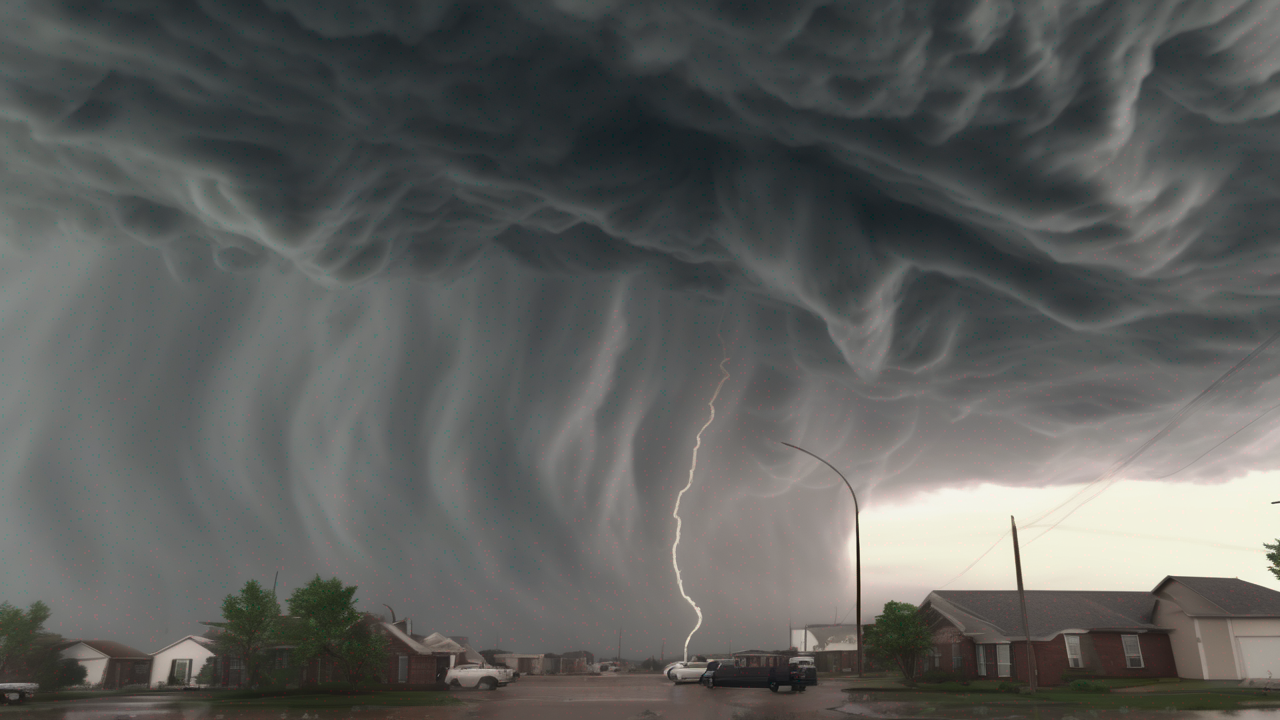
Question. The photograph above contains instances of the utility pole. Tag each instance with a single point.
(619, 658)
(663, 659)
(857, 544)
(1022, 598)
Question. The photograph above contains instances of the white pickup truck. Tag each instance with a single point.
(485, 677)
(17, 692)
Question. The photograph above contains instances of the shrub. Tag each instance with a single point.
(1085, 686)
(1009, 687)
(938, 676)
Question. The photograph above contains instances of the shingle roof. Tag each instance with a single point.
(116, 650)
(1236, 597)
(1049, 612)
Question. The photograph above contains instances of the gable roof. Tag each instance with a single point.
(114, 650)
(996, 615)
(1234, 596)
(198, 639)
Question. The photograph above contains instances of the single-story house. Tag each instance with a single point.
(180, 662)
(417, 659)
(834, 647)
(761, 658)
(1101, 634)
(109, 664)
(576, 662)
(523, 663)
(1220, 628)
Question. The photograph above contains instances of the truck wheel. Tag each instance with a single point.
(488, 684)
(672, 676)
(773, 685)
(711, 682)
(455, 684)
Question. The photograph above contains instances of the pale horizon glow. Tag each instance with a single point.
(1128, 538)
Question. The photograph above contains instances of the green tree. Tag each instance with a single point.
(328, 625)
(251, 622)
(899, 635)
(1274, 557)
(19, 632)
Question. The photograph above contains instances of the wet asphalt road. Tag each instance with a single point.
(624, 697)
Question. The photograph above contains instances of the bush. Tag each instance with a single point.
(1009, 687)
(1085, 686)
(939, 676)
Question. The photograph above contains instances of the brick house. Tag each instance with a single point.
(411, 659)
(978, 634)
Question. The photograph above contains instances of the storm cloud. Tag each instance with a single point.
(426, 295)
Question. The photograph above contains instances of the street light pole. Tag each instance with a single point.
(857, 544)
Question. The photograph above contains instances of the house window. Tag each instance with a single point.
(1132, 651)
(235, 663)
(404, 668)
(980, 654)
(937, 658)
(957, 662)
(1002, 661)
(180, 672)
(1073, 651)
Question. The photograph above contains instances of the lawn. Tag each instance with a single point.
(1167, 694)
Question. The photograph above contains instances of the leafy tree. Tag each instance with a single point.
(899, 635)
(1274, 557)
(251, 623)
(328, 625)
(19, 632)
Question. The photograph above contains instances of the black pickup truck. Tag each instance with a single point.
(798, 678)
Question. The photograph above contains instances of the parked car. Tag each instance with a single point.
(690, 671)
(478, 676)
(17, 692)
(727, 675)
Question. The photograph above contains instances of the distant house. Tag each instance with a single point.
(834, 647)
(1102, 634)
(1220, 628)
(576, 662)
(523, 663)
(181, 661)
(109, 664)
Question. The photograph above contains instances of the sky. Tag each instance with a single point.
(433, 297)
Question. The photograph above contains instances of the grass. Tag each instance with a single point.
(1171, 694)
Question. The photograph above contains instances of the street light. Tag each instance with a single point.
(857, 544)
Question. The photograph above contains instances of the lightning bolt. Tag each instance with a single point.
(675, 560)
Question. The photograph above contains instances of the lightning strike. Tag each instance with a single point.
(675, 560)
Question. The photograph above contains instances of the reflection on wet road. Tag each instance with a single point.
(627, 697)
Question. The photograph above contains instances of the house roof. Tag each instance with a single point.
(114, 650)
(1234, 596)
(199, 639)
(997, 614)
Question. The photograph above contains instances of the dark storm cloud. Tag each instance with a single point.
(943, 242)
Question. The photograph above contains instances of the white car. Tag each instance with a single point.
(484, 677)
(690, 671)
(17, 692)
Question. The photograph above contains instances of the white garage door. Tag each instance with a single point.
(1260, 655)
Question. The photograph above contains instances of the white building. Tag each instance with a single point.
(181, 660)
(1221, 628)
(109, 664)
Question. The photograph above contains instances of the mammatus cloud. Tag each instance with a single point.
(426, 288)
